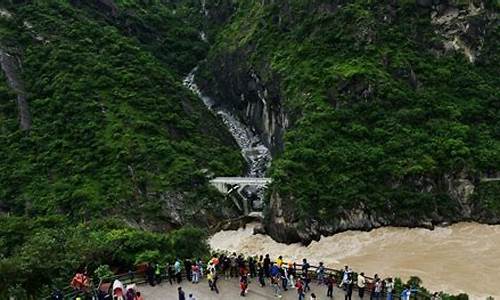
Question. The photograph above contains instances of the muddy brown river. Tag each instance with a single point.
(464, 257)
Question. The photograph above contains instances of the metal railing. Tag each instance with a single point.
(139, 277)
(416, 293)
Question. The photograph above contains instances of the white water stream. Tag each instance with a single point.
(253, 150)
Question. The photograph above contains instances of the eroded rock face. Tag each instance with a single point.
(257, 102)
(283, 224)
(462, 27)
(11, 66)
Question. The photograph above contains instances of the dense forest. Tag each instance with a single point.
(117, 147)
(377, 113)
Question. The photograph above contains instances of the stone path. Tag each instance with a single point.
(229, 290)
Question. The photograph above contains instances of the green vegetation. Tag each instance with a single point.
(36, 252)
(116, 141)
(380, 114)
(383, 119)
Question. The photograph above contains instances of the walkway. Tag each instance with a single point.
(229, 290)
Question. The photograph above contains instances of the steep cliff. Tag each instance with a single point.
(379, 113)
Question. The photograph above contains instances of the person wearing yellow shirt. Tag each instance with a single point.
(279, 261)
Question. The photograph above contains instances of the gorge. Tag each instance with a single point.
(115, 116)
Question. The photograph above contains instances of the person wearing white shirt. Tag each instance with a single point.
(361, 284)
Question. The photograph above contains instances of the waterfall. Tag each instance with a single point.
(253, 150)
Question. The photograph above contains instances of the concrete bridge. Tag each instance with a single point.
(228, 185)
(487, 179)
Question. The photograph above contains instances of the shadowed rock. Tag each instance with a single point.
(11, 68)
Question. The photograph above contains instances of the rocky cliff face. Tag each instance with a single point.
(241, 89)
(462, 27)
(284, 224)
(11, 67)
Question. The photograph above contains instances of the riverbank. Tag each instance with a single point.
(460, 258)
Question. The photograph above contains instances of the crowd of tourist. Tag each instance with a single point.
(276, 273)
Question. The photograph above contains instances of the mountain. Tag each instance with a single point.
(376, 113)
(379, 113)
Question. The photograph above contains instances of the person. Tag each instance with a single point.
(389, 287)
(373, 285)
(243, 285)
(300, 288)
(103, 295)
(435, 296)
(361, 283)
(348, 285)
(242, 268)
(329, 284)
(405, 294)
(212, 278)
(275, 285)
(225, 266)
(199, 262)
(57, 295)
(118, 290)
(158, 273)
(377, 290)
(261, 273)
(251, 266)
(234, 265)
(130, 295)
(171, 273)
(291, 275)
(80, 281)
(267, 266)
(313, 296)
(150, 274)
(177, 270)
(306, 280)
(138, 296)
(275, 270)
(191, 297)
(187, 268)
(284, 278)
(279, 261)
(305, 266)
(320, 273)
(182, 296)
(195, 271)
(345, 276)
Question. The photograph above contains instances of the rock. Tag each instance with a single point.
(256, 101)
(11, 66)
(462, 27)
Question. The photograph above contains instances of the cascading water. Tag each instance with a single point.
(256, 154)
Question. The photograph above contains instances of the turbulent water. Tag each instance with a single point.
(464, 257)
(253, 150)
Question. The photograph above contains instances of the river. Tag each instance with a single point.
(463, 257)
